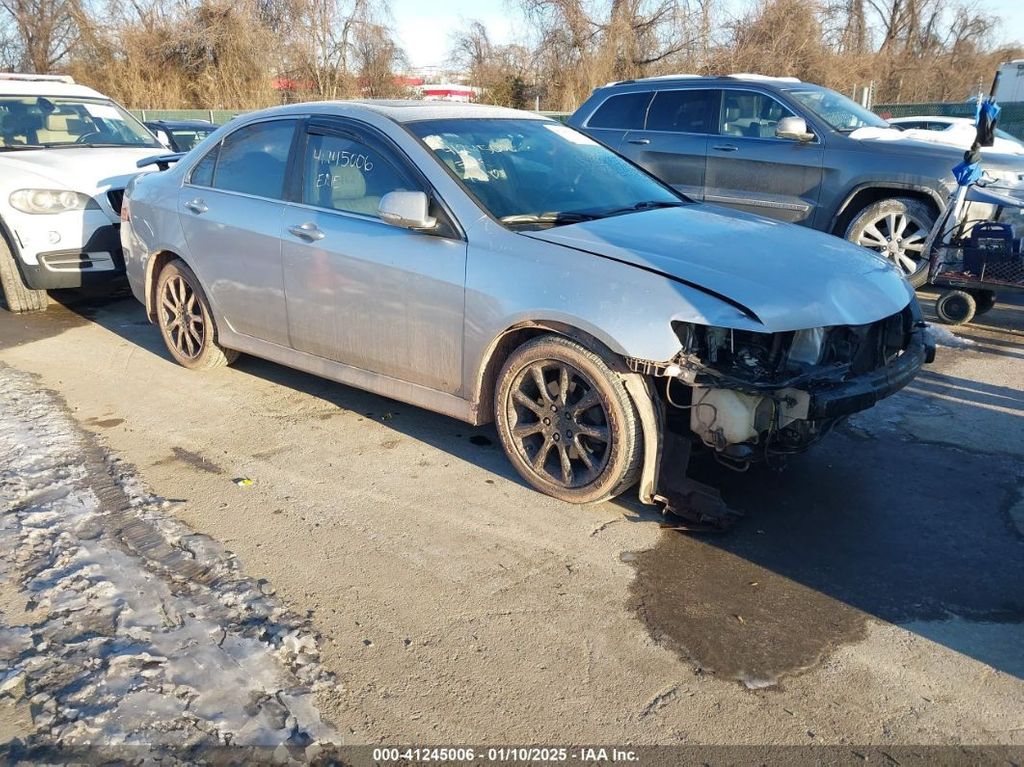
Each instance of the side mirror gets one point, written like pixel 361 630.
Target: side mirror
pixel 794 129
pixel 410 210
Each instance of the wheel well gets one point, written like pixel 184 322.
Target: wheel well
pixel 871 195
pixel 518 335
pixel 156 264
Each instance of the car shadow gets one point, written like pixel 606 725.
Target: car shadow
pixel 872 524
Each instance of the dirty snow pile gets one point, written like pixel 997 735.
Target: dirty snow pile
pixel 943 336
pixel 134 630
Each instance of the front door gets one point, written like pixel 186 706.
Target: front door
pixel 749 168
pixel 360 291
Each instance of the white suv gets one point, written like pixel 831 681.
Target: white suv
pixel 66 154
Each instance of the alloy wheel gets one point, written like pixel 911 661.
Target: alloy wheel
pixel 559 424
pixel 900 237
pixel 182 317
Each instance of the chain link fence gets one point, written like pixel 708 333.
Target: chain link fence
pixel 1011 119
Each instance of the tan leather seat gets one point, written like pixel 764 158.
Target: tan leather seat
pixel 55 129
pixel 348 191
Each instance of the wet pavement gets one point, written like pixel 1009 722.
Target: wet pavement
pixel 803 572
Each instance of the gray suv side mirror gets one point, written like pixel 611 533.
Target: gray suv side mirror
pixel 793 128
pixel 410 210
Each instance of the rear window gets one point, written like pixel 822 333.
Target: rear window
pixel 624 112
pixel 253 159
pixel 687 111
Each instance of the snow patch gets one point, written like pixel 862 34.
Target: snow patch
pixel 943 336
pixel 142 631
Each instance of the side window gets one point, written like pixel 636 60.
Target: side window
pixel 343 173
pixel 686 111
pixel 625 112
pixel 202 173
pixel 254 159
pixel 750 114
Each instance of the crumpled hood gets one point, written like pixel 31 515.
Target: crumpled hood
pixel 81 169
pixel 788 276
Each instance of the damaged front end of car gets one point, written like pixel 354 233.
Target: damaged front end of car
pixel 753 397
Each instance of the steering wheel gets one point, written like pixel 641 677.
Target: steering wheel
pixel 85 137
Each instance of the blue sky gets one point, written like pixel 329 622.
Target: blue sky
pixel 424 27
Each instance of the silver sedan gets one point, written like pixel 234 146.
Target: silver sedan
pixel 495 265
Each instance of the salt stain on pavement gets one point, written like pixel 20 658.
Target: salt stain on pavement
pixel 119 626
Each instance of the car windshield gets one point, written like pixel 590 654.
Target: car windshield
pixel 841 113
pixel 33 122
pixel 537 173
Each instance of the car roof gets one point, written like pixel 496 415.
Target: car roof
pixel 732 79
pixel 47 87
pixel 409 110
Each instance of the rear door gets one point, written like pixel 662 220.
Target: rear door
pixel 230 210
pixel 751 169
pixel 361 291
pixel 673 142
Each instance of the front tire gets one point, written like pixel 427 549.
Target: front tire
pixel 897 228
pixel 186 322
pixel 566 421
pixel 19 296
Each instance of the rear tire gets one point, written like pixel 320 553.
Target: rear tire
pixel 19 297
pixel 566 421
pixel 896 228
pixel 955 307
pixel 985 300
pixel 186 321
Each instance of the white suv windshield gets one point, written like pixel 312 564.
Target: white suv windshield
pixel 837 110
pixel 48 122
pixel 535 173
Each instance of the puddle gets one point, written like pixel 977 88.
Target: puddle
pixel 732 618
pixel 20 329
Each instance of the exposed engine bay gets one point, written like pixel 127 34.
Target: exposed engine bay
pixel 752 397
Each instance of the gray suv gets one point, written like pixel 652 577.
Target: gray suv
pixel 789 150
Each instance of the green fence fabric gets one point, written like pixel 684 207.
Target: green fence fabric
pixel 217 116
pixel 1011 119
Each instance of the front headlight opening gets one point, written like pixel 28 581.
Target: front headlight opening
pixel 806 346
pixel 44 201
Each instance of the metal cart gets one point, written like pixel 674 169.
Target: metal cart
pixel 972 258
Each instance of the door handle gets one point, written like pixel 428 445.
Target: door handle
pixel 307 231
pixel 638 141
pixel 725 147
pixel 197 206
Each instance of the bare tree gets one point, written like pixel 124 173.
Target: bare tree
pixel 46 31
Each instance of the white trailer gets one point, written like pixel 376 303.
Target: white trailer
pixel 1011 82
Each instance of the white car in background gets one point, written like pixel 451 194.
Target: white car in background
pixel 956 131
pixel 66 154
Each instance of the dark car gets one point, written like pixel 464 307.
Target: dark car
pixel 789 150
pixel 181 135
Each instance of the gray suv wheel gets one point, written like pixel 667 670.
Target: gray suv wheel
pixel 897 228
